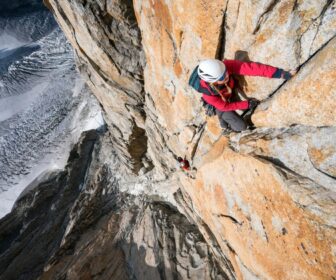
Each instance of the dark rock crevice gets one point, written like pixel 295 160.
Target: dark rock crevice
pixel 137 147
pixel 221 39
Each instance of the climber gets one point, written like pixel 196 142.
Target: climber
pixel 213 78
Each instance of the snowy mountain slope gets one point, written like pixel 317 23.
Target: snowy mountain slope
pixel 44 104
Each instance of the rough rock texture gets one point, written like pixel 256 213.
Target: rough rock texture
pixel 279 202
pixel 282 33
pixel 307 99
pixel 37 223
pixel 78 224
pixel 108 46
pixel 259 204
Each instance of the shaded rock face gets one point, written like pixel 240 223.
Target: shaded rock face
pixel 107 41
pixel 35 226
pixel 77 224
pixel 259 204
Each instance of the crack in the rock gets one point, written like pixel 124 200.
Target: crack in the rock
pixel 221 38
pixel 200 132
pixel 253 274
pixel 299 67
pixel 163 139
pixel 230 247
pixel 137 147
pixel 265 233
pixel 238 9
pixel 174 90
pixel 295 6
pixel 314 20
pixel 298 48
pixel 262 17
pixel 234 220
pixel 312 42
pixel 278 164
pixel 150 108
pixel 318 169
pixel 320 17
pixel 174 45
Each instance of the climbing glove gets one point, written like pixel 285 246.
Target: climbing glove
pixel 286 75
pixel 253 103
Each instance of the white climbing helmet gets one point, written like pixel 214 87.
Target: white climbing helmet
pixel 211 70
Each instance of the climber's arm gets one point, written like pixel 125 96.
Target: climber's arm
pixel 256 69
pixel 221 105
pixel 283 74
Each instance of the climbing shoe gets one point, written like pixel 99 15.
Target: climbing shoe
pixel 226 131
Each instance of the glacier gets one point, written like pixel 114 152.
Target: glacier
pixel 44 103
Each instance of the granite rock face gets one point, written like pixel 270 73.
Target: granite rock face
pixel 260 204
pixel 308 99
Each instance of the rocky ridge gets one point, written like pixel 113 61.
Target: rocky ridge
pixel 259 204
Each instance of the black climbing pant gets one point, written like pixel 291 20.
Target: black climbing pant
pixel 231 119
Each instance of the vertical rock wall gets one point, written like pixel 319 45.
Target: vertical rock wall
pixel 107 42
pixel 262 194
pixel 263 200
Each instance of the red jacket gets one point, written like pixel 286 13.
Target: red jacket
pixel 239 68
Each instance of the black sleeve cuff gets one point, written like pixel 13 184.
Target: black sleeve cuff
pixel 287 75
pixel 280 73
pixel 277 73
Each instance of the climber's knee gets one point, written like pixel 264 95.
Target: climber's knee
pixel 234 121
